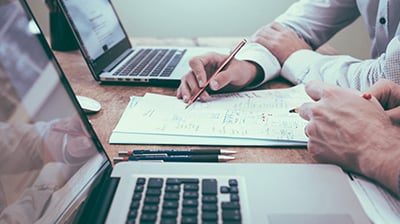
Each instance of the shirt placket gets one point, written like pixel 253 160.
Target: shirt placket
pixel 381 32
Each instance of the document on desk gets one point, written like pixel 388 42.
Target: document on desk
pixel 251 118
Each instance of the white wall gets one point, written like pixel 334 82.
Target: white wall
pixel 191 18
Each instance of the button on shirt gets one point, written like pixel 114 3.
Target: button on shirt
pixel 316 22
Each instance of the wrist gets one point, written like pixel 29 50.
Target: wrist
pixel 256 72
pixel 384 165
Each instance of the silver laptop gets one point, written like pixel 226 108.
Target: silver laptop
pixel 55 170
pixel 110 55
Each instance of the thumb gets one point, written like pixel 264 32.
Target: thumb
pixel 394 115
pixel 220 80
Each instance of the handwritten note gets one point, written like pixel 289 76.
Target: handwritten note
pixel 262 114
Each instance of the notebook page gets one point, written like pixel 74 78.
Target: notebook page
pixel 258 115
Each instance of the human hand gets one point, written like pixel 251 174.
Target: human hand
pixel 388 94
pixel 236 75
pixel 353 132
pixel 279 40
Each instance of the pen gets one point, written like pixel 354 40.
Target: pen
pixel 366 96
pixel 176 158
pixel 219 69
pixel 294 110
pixel 179 152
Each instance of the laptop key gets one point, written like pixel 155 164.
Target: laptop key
pixel 232 215
pixel 209 186
pixel 170 204
pixel 168 221
pixel 189 211
pixel 209 216
pixel 188 219
pixel 155 183
pixel 209 207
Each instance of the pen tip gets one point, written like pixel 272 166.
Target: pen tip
pixel 225 158
pixel 188 104
pixel 224 151
pixel 294 110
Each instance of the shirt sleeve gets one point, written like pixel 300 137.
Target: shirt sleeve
pixel 317 21
pixel 344 70
pixel 258 54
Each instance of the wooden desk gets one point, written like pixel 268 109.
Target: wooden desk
pixel 114 99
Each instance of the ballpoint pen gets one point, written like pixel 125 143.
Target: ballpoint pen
pixel 175 158
pixel 294 110
pixel 219 69
pixel 179 152
pixel 366 96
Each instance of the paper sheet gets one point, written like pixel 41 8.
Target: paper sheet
pixel 246 118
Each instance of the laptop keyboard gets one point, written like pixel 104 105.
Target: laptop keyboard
pixel 151 62
pixel 185 200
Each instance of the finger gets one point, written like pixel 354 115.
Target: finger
pixel 187 87
pixel 380 91
pixel 387 93
pixel 221 80
pixel 277 27
pixel 199 65
pixel 315 89
pixel 305 111
pixel 183 92
pixel 394 115
pixel 264 35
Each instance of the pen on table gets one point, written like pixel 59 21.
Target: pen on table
pixel 219 69
pixel 176 158
pixel 179 152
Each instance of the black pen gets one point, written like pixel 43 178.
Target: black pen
pixel 178 152
pixel 175 158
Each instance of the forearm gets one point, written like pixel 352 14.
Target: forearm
pixel 345 71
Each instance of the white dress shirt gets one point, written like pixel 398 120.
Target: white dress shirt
pixel 316 21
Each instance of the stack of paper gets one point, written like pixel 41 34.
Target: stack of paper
pixel 252 118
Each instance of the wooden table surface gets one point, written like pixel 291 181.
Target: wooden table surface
pixel 114 99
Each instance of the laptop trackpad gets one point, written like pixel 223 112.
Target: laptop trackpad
pixel 309 219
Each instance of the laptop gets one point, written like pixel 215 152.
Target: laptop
pixel 109 54
pixel 55 170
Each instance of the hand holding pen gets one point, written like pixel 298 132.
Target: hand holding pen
pixel 201 66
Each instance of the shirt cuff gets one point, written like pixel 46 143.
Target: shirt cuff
pixel 297 67
pixel 260 55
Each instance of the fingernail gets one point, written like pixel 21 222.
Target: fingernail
pixel 214 84
pixel 184 98
pixel 201 83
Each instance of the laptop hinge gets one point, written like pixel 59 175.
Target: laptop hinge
pixel 118 60
pixel 96 207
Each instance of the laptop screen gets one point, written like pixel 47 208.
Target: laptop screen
pixel 99 33
pixel 97 25
pixel 49 155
